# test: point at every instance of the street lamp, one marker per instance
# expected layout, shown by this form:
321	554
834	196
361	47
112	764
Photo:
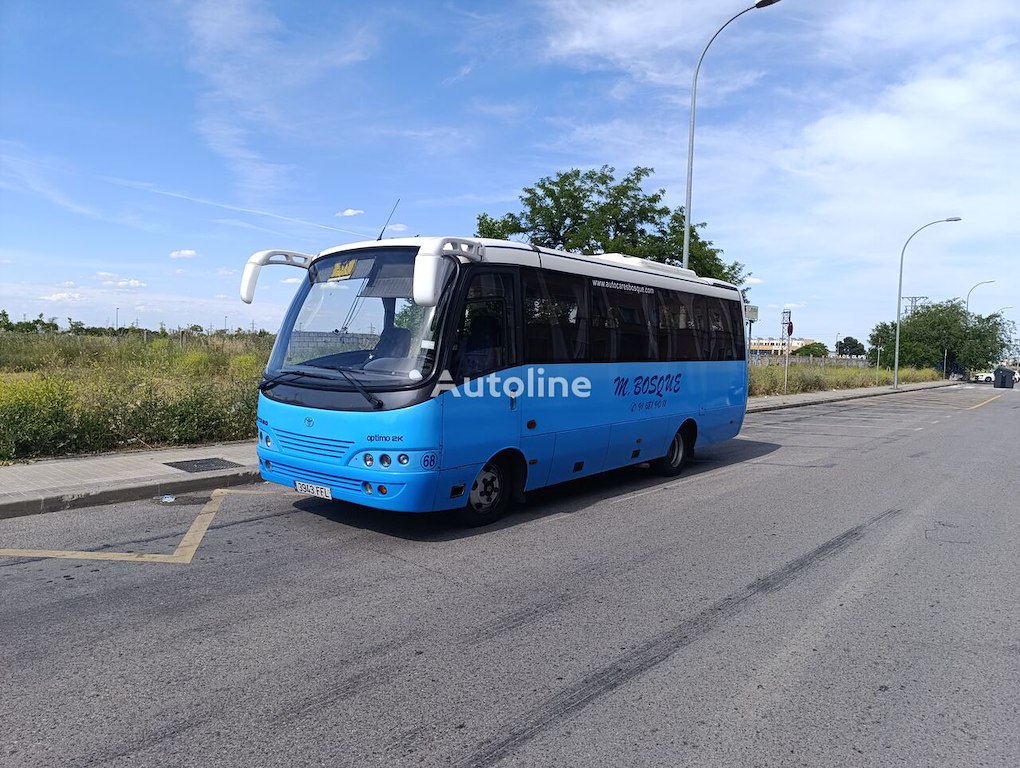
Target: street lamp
983	282
899	298
690	137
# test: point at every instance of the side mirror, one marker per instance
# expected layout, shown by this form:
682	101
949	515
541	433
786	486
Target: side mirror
430	274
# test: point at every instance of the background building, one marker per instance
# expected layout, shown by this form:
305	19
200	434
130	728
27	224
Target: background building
776	346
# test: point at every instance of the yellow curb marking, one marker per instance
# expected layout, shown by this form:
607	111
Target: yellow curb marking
182	555
986	402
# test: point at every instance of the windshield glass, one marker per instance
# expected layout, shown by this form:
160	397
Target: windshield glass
354	316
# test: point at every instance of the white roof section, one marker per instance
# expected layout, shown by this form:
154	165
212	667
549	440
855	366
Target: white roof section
608	266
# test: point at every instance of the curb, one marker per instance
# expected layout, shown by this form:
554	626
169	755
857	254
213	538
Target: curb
126	493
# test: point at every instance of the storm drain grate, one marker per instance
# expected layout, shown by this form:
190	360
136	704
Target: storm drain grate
202	465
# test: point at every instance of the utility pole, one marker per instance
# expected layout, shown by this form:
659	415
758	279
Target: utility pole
915	301
786	333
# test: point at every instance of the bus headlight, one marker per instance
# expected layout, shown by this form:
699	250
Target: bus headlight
385	460
403	459
369	461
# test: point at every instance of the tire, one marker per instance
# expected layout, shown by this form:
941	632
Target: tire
489	496
676	457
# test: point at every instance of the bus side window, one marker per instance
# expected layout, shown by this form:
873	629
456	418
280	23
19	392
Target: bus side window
555	317
483	343
633	329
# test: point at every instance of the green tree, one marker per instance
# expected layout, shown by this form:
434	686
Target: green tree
39	325
592	212
409	316
945	332
850	347
814	349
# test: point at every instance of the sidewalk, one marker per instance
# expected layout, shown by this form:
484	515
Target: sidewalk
53	484
84	481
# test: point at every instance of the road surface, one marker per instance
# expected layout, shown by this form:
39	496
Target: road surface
837	587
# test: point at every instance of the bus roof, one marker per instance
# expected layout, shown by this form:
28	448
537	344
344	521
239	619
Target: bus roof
611	266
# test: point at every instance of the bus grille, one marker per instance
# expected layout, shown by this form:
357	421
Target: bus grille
316	446
318	478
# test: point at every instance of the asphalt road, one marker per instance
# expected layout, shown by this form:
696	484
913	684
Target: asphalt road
837	587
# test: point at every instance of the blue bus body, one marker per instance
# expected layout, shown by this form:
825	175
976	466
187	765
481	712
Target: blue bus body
627	418
629	363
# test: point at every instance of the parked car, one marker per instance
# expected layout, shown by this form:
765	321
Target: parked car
986	376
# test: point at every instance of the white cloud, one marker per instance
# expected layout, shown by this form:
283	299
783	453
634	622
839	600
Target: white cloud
22	170
460	74
291	280
184	253
253	66
63	298
349	212
226	206
110	280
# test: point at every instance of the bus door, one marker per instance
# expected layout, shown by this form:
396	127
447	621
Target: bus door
482	415
566	429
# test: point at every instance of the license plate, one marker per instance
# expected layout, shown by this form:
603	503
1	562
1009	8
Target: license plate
321	491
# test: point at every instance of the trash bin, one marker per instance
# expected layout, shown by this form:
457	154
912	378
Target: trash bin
1003	378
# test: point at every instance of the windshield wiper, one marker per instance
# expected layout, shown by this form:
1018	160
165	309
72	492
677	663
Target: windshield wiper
345	372
271	381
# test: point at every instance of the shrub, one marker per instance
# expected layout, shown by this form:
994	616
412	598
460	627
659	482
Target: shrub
62	394
34	414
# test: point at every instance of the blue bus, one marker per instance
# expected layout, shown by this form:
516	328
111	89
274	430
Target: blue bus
424	374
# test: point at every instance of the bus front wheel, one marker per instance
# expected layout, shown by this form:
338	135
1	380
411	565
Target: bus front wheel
680	448
490	494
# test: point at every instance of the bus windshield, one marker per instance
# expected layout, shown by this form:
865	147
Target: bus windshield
354	320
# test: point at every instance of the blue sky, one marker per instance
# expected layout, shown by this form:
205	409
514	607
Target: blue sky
147	149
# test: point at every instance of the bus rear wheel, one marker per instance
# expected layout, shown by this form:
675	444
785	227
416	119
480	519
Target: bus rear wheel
677	455
490	494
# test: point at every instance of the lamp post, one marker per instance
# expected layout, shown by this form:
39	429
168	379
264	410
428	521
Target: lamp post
983	282
690	137
899	298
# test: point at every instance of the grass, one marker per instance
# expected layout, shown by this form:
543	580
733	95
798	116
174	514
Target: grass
62	394
768	379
